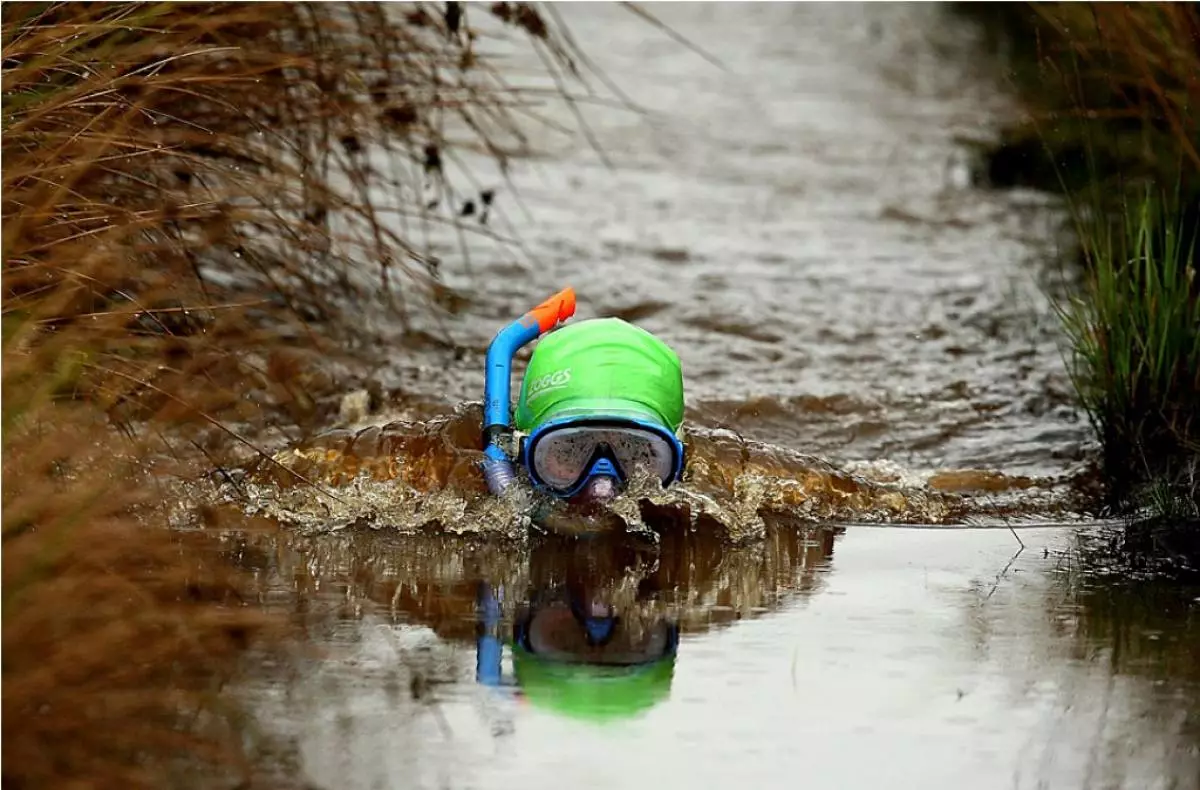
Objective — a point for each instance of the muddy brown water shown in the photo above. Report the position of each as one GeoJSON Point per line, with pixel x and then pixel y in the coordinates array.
{"type": "Point", "coordinates": [802, 225]}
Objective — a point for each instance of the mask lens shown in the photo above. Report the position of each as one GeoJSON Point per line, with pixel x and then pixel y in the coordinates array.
{"type": "Point", "coordinates": [636, 449]}
{"type": "Point", "coordinates": [561, 457]}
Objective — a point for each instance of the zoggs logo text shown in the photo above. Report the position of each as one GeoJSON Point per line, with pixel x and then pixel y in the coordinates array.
{"type": "Point", "coordinates": [547, 383]}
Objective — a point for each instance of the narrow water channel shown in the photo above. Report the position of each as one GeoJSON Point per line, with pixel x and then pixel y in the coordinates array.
{"type": "Point", "coordinates": [802, 225]}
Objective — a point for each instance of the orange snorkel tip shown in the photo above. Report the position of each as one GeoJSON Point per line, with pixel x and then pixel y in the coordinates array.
{"type": "Point", "coordinates": [553, 311]}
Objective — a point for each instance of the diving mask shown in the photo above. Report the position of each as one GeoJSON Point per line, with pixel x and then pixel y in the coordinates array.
{"type": "Point", "coordinates": [564, 457]}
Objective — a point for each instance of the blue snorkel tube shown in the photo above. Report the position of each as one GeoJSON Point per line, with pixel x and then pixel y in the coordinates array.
{"type": "Point", "coordinates": [498, 467]}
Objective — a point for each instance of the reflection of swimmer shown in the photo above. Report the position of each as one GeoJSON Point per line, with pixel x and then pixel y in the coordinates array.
{"type": "Point", "coordinates": [587, 641]}
{"type": "Point", "coordinates": [601, 400]}
{"type": "Point", "coordinates": [597, 635]}
{"type": "Point", "coordinates": [579, 656]}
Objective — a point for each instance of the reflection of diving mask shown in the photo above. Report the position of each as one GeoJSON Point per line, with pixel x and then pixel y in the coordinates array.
{"type": "Point", "coordinates": [563, 457]}
{"type": "Point", "coordinates": [570, 634]}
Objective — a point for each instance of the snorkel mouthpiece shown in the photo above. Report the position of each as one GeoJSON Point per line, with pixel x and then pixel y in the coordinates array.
{"type": "Point", "coordinates": [599, 489]}
{"type": "Point", "coordinates": [602, 482]}
{"type": "Point", "coordinates": [497, 423]}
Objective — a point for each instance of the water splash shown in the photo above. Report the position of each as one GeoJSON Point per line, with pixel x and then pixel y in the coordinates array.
{"type": "Point", "coordinates": [424, 476]}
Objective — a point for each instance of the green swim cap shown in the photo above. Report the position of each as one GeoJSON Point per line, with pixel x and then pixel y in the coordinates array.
{"type": "Point", "coordinates": [592, 692]}
{"type": "Point", "coordinates": [602, 367]}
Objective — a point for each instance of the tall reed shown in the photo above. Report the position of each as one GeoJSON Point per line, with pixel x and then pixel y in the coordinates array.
{"type": "Point", "coordinates": [196, 200]}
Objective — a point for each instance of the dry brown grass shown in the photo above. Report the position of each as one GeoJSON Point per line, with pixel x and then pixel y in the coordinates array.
{"type": "Point", "coordinates": [194, 195]}
{"type": "Point", "coordinates": [178, 181]}
{"type": "Point", "coordinates": [1137, 65]}
{"type": "Point", "coordinates": [117, 636]}
{"type": "Point", "coordinates": [1112, 91]}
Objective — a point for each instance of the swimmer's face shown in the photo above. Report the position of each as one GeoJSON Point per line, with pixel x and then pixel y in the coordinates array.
{"type": "Point", "coordinates": [598, 490]}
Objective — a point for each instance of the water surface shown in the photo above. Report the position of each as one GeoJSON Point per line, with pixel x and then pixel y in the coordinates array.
{"type": "Point", "coordinates": [859, 658]}
{"type": "Point", "coordinates": [801, 225]}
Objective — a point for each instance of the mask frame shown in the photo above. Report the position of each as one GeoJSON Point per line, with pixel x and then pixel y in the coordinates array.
{"type": "Point", "coordinates": [529, 443]}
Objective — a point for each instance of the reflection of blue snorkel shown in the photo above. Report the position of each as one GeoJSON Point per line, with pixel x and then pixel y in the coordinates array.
{"type": "Point", "coordinates": [489, 647]}
{"type": "Point", "coordinates": [497, 465]}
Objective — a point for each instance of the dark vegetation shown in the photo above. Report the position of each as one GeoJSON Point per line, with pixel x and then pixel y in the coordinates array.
{"type": "Point", "coordinates": [1113, 96]}
{"type": "Point", "coordinates": [194, 213]}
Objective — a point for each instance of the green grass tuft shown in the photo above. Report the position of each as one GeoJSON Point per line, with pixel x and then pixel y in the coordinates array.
{"type": "Point", "coordinates": [1135, 336]}
{"type": "Point", "coordinates": [1112, 93]}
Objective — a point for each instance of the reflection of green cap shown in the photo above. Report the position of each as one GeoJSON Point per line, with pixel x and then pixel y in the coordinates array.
{"type": "Point", "coordinates": [603, 367]}
{"type": "Point", "coordinates": [589, 691]}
